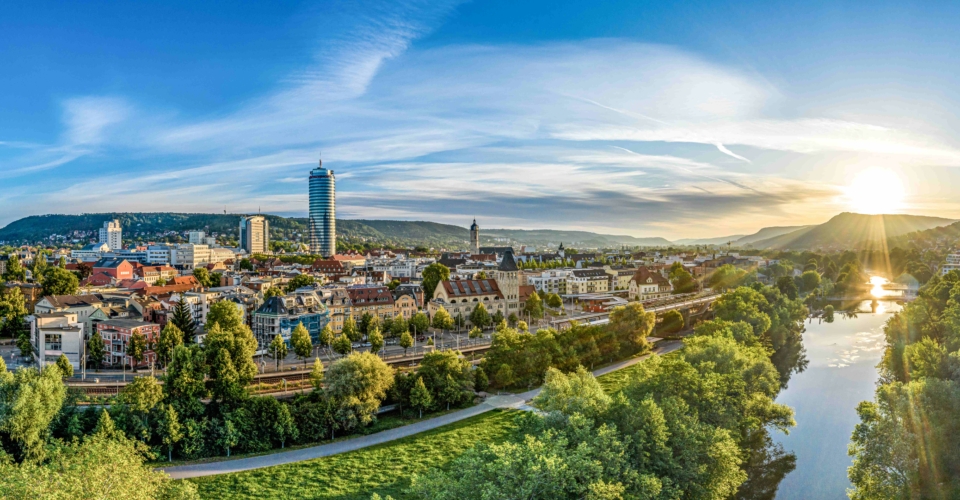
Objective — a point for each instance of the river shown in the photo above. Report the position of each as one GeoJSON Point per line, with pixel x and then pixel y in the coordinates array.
{"type": "Point", "coordinates": [841, 371]}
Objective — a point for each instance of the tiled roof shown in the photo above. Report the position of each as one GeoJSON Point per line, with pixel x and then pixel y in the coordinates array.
{"type": "Point", "coordinates": [109, 263]}
{"type": "Point", "coordinates": [59, 301]}
{"type": "Point", "coordinates": [369, 295]}
{"type": "Point", "coordinates": [590, 273]}
{"type": "Point", "coordinates": [644, 275]}
{"type": "Point", "coordinates": [470, 288]}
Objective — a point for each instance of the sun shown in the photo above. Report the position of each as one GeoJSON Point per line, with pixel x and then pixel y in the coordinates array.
{"type": "Point", "coordinates": [875, 191]}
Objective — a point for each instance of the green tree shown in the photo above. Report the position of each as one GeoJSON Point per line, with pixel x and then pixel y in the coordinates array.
{"type": "Point", "coordinates": [554, 301]}
{"type": "Point", "coordinates": [227, 434]}
{"type": "Point", "coordinates": [672, 322]}
{"type": "Point", "coordinates": [184, 383]}
{"type": "Point", "coordinates": [475, 333]}
{"type": "Point", "coordinates": [534, 306]}
{"type": "Point", "coordinates": [419, 323]}
{"type": "Point", "coordinates": [98, 466]}
{"type": "Point", "coordinates": [15, 270]}
{"type": "Point", "coordinates": [577, 392]}
{"type": "Point", "coordinates": [96, 350]}
{"type": "Point", "coordinates": [632, 324]}
{"type": "Point", "coordinates": [420, 397]}
{"type": "Point", "coordinates": [140, 397]}
{"type": "Point", "coordinates": [182, 318]}
{"type": "Point", "coordinates": [432, 276]}
{"type": "Point", "coordinates": [227, 314]}
{"type": "Point", "coordinates": [245, 265]}
{"type": "Point", "coordinates": [788, 287]}
{"type": "Point", "coordinates": [406, 341]}
{"type": "Point", "coordinates": [398, 326]}
{"type": "Point", "coordinates": [228, 332]}
{"type": "Point", "coordinates": [30, 402]}
{"type": "Point", "coordinates": [480, 380]}
{"type": "Point", "coordinates": [681, 279]}
{"type": "Point", "coordinates": [169, 428]}
{"type": "Point", "coordinates": [66, 369]}
{"type": "Point", "coordinates": [170, 338]}
{"type": "Point", "coordinates": [137, 348]}
{"type": "Point", "coordinates": [351, 331]}
{"type": "Point", "coordinates": [342, 345]}
{"type": "Point", "coordinates": [479, 317]}
{"type": "Point", "coordinates": [278, 348]}
{"type": "Point", "coordinates": [442, 319]}
{"type": "Point", "coordinates": [326, 336]}
{"type": "Point", "coordinates": [39, 266]}
{"type": "Point", "coordinates": [273, 291]}
{"type": "Point", "coordinates": [58, 281]}
{"type": "Point", "coordinates": [358, 383]}
{"type": "Point", "coordinates": [300, 281]}
{"type": "Point", "coordinates": [13, 311]}
{"type": "Point", "coordinates": [375, 339]}
{"type": "Point", "coordinates": [300, 340]}
{"type": "Point", "coordinates": [316, 375]}
{"type": "Point", "coordinates": [226, 385]}
{"type": "Point", "coordinates": [496, 318]}
{"type": "Point", "coordinates": [810, 280]}
{"type": "Point", "coordinates": [203, 277]}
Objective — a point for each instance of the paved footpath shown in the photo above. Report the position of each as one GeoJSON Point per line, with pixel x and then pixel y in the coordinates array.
{"type": "Point", "coordinates": [512, 401]}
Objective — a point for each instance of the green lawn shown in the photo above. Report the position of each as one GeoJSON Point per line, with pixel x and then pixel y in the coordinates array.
{"type": "Point", "coordinates": [385, 469]}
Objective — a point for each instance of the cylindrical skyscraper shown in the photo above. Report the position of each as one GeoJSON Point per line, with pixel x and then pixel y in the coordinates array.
{"type": "Point", "coordinates": [323, 211]}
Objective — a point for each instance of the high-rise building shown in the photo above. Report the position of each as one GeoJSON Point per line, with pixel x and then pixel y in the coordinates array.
{"type": "Point", "coordinates": [475, 237]}
{"type": "Point", "coordinates": [110, 234]}
{"type": "Point", "coordinates": [196, 237]}
{"type": "Point", "coordinates": [254, 234]}
{"type": "Point", "coordinates": [323, 211]}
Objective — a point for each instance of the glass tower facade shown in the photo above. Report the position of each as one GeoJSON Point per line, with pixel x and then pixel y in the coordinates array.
{"type": "Point", "coordinates": [323, 211]}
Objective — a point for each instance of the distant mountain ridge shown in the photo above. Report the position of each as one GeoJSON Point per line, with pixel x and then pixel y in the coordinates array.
{"type": "Point", "coordinates": [39, 227]}
{"type": "Point", "coordinates": [849, 230]}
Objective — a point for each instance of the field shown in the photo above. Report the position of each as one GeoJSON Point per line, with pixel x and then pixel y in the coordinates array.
{"type": "Point", "coordinates": [385, 469]}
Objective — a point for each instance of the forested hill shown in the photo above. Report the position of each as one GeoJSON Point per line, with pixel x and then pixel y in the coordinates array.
{"type": "Point", "coordinates": [387, 232]}
{"type": "Point", "coordinates": [849, 230]}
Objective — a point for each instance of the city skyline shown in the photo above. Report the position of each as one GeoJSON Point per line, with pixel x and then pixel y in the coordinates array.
{"type": "Point", "coordinates": [628, 119]}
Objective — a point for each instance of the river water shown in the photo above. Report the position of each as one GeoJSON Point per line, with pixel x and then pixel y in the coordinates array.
{"type": "Point", "coordinates": [841, 372]}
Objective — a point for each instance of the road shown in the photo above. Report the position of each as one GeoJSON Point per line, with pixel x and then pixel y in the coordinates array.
{"type": "Point", "coordinates": [518, 401]}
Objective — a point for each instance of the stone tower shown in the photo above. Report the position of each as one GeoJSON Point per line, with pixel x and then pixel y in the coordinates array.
{"type": "Point", "coordinates": [475, 237]}
{"type": "Point", "coordinates": [508, 280]}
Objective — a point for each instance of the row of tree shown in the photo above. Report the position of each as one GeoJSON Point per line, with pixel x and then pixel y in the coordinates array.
{"type": "Point", "coordinates": [907, 444]}
{"type": "Point", "coordinates": [685, 426]}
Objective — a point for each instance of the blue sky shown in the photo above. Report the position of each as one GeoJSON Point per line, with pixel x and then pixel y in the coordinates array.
{"type": "Point", "coordinates": [648, 118]}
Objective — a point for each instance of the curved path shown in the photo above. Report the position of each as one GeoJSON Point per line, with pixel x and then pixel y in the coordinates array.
{"type": "Point", "coordinates": [517, 401]}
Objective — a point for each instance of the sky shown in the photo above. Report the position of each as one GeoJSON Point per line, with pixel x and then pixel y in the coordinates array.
{"type": "Point", "coordinates": [674, 119]}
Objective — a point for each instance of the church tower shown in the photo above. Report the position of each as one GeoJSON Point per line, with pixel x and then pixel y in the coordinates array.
{"type": "Point", "coordinates": [475, 237]}
{"type": "Point", "coordinates": [508, 280]}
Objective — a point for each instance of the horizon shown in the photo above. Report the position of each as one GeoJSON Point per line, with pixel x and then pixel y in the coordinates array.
{"type": "Point", "coordinates": [689, 121]}
{"type": "Point", "coordinates": [482, 228]}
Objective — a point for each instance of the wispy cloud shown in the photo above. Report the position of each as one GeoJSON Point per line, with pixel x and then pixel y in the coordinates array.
{"type": "Point", "coordinates": [592, 134]}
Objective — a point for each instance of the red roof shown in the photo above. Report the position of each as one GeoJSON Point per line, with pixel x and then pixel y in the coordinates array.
{"type": "Point", "coordinates": [185, 280]}
{"type": "Point", "coordinates": [99, 279]}
{"type": "Point", "coordinates": [526, 291]}
{"type": "Point", "coordinates": [471, 288]}
{"type": "Point", "coordinates": [369, 295]}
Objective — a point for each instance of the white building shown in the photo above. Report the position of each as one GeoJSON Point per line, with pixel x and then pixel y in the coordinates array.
{"type": "Point", "coordinates": [550, 281]}
{"type": "Point", "coordinates": [90, 253]}
{"type": "Point", "coordinates": [53, 334]}
{"type": "Point", "coordinates": [111, 234]}
{"type": "Point", "coordinates": [158, 254]}
{"type": "Point", "coordinates": [952, 264]}
{"type": "Point", "coordinates": [188, 256]}
{"type": "Point", "coordinates": [82, 306]}
{"type": "Point", "coordinates": [196, 237]}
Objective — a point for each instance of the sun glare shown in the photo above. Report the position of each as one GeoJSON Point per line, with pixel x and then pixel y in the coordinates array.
{"type": "Point", "coordinates": [875, 191]}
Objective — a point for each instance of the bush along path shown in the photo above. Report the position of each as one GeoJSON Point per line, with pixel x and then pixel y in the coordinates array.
{"type": "Point", "coordinates": [517, 401]}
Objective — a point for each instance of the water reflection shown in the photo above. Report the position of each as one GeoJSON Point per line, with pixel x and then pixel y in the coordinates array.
{"type": "Point", "coordinates": [766, 467]}
{"type": "Point", "coordinates": [835, 369]}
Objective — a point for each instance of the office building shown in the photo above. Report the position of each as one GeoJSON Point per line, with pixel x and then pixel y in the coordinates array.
{"type": "Point", "coordinates": [254, 234]}
{"type": "Point", "coordinates": [111, 234]}
{"type": "Point", "coordinates": [323, 212]}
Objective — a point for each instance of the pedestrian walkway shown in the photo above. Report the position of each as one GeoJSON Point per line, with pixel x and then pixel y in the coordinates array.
{"type": "Point", "coordinates": [507, 401]}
